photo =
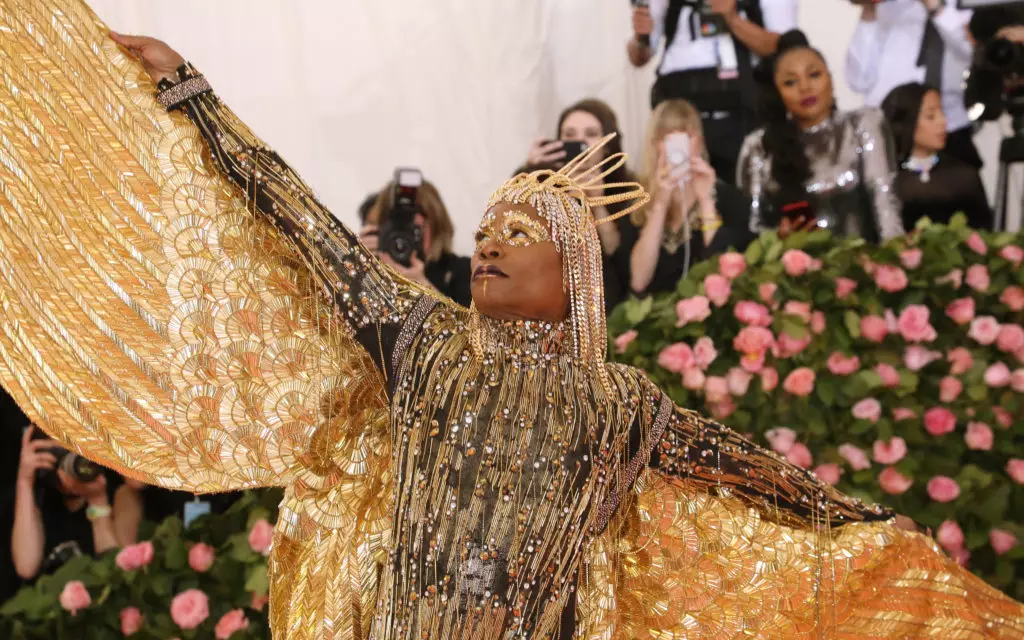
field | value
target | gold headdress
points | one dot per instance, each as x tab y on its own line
562	197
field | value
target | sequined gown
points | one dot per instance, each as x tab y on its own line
179	307
853	167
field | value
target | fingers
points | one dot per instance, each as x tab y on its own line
130	42
26	437
553	147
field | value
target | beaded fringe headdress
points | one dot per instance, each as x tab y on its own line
561	197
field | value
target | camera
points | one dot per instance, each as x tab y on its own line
401	236
74	465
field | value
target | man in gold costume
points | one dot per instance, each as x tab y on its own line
178	306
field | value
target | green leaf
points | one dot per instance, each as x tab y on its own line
826	392
257	580
992	506
175	555
794	326
753	253
852	322
977	392
637	310
869	379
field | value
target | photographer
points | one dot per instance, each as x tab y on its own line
62	508
926	41
432	263
710	50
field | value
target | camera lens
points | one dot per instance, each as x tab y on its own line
79	468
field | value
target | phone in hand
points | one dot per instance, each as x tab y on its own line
678	152
573	149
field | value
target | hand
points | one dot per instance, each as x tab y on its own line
703	179
416	271
159	60
724	8
932	5
669	178
643	24
35	455
1013	33
544	152
94	492
789	226
369	235
905	523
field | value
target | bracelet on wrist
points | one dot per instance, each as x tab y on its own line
97	512
710	225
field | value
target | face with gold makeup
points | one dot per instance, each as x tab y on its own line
517	271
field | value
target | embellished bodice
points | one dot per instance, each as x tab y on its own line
853	168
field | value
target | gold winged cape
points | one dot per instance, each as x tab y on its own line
153	323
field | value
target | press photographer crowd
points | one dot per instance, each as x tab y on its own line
745	137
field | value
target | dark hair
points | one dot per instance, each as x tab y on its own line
367	204
791	168
987	21
901	108
609	124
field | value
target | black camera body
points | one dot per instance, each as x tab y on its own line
401	236
71	463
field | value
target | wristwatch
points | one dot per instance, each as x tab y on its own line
93	512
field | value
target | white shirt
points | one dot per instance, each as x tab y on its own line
685	53
883	54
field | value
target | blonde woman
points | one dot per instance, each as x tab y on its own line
691	216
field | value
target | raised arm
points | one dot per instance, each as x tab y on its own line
751	172
879	169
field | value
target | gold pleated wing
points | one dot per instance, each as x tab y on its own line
149	320
680	564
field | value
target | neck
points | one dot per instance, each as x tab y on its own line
922	153
814	122
535	338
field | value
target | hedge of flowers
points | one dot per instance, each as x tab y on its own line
895	372
204	582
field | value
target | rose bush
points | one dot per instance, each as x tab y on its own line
895	372
206	582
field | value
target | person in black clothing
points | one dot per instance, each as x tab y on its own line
443	270
589	121
711	47
931	183
690	217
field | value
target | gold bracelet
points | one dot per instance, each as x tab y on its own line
94	513
711	226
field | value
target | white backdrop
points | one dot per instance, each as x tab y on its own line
348	90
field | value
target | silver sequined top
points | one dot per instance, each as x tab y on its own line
853	167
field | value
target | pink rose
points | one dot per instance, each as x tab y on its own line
135	556
949	389
899	414
1001	541
131	620
828	473
997	375
801	310
693	379
841	365
261	536
732	265
769	379
1015	469
911	258
1017	380
977	244
625	340
753	342
917	357
844	287
960	360
695	309
200	557
868	409
939	421
818	323
890	377
1012	253
978	278
258	602
873	328
74	597
943	489
866	263
800	455
961	555
1010	339
891	279
704	352
788	346
979	436
892	323
857	459
950	535
718	289
766	292
955	278
753	363
1013	297
914	324
753	314
889	452
893	482
961	310
716	389
724	409
190	608
781	439
1003	417
739	381
229	623
800	382
676	358
796	262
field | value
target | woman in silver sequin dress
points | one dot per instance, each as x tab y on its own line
811	165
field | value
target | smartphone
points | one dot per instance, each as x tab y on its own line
573	149
677	151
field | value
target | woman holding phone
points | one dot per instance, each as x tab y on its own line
692	214
812	166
